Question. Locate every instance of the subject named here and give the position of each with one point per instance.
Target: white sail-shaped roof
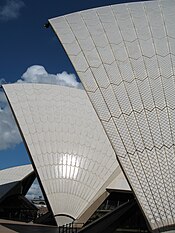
(125, 57)
(13, 174)
(67, 143)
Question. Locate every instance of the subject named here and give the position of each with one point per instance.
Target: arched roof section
(125, 57)
(69, 148)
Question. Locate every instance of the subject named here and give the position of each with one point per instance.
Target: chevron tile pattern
(125, 57)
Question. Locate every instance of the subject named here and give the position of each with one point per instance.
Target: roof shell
(67, 143)
(125, 57)
(13, 174)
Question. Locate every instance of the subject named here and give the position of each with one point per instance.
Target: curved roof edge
(16, 173)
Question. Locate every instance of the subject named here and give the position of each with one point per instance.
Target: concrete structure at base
(68, 147)
(125, 57)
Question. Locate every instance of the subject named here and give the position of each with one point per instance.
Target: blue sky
(25, 43)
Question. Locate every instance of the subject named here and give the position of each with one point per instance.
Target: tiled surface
(71, 152)
(125, 57)
(15, 173)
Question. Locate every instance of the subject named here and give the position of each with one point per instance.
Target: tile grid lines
(94, 80)
(106, 72)
(96, 89)
(128, 95)
(17, 122)
(156, 108)
(144, 111)
(167, 36)
(154, 147)
(135, 118)
(158, 115)
(138, 126)
(165, 188)
(162, 14)
(42, 153)
(133, 112)
(75, 155)
(115, 84)
(31, 118)
(168, 43)
(141, 39)
(166, 31)
(136, 59)
(32, 142)
(114, 122)
(126, 81)
(76, 181)
(52, 187)
(164, 148)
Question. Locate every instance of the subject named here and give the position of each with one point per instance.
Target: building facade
(68, 147)
(125, 57)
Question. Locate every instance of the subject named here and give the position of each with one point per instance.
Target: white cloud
(11, 9)
(9, 134)
(38, 74)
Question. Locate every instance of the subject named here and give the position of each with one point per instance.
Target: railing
(70, 228)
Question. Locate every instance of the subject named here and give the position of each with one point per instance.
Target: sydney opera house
(116, 135)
